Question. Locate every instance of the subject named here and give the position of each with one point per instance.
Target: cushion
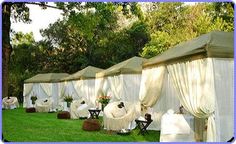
(118, 112)
(91, 125)
(30, 110)
(63, 115)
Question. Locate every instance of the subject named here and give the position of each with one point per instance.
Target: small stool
(63, 115)
(142, 125)
(91, 125)
(30, 110)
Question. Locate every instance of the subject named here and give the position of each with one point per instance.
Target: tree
(19, 12)
(172, 23)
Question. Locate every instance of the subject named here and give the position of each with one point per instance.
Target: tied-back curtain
(47, 88)
(151, 85)
(115, 84)
(194, 82)
(27, 89)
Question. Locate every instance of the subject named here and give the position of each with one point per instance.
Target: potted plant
(68, 99)
(104, 100)
(33, 99)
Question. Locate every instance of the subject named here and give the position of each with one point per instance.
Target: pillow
(82, 107)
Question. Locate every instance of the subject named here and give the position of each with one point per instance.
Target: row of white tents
(197, 74)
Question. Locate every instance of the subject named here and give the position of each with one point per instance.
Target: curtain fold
(115, 84)
(151, 85)
(27, 90)
(194, 82)
(47, 88)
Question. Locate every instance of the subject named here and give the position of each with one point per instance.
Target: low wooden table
(94, 113)
(142, 125)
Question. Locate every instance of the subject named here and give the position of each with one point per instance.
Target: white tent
(81, 85)
(43, 86)
(197, 74)
(121, 81)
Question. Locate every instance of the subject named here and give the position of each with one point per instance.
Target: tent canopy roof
(129, 66)
(46, 78)
(86, 73)
(213, 44)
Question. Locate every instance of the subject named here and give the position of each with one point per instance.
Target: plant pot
(68, 104)
(33, 102)
(104, 105)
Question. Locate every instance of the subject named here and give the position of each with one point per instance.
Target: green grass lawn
(19, 126)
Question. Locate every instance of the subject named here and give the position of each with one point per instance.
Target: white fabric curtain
(194, 82)
(90, 85)
(27, 89)
(78, 86)
(70, 89)
(151, 85)
(168, 100)
(130, 87)
(115, 85)
(55, 95)
(61, 92)
(224, 86)
(47, 87)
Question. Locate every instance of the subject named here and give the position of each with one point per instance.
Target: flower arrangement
(68, 98)
(33, 98)
(104, 99)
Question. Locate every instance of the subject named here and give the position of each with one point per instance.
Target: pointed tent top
(86, 73)
(129, 66)
(213, 44)
(46, 78)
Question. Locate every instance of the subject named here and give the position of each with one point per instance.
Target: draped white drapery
(115, 83)
(123, 87)
(151, 85)
(27, 89)
(224, 86)
(194, 82)
(47, 87)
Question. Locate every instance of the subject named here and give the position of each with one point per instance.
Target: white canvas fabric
(130, 87)
(224, 86)
(168, 100)
(115, 84)
(47, 87)
(151, 85)
(123, 87)
(194, 81)
(26, 91)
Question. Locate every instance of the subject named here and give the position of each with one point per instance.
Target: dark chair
(142, 125)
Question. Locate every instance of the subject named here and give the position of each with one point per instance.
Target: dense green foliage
(103, 34)
(19, 126)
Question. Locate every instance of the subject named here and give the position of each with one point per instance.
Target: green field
(19, 126)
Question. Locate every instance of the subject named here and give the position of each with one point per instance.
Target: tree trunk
(6, 46)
